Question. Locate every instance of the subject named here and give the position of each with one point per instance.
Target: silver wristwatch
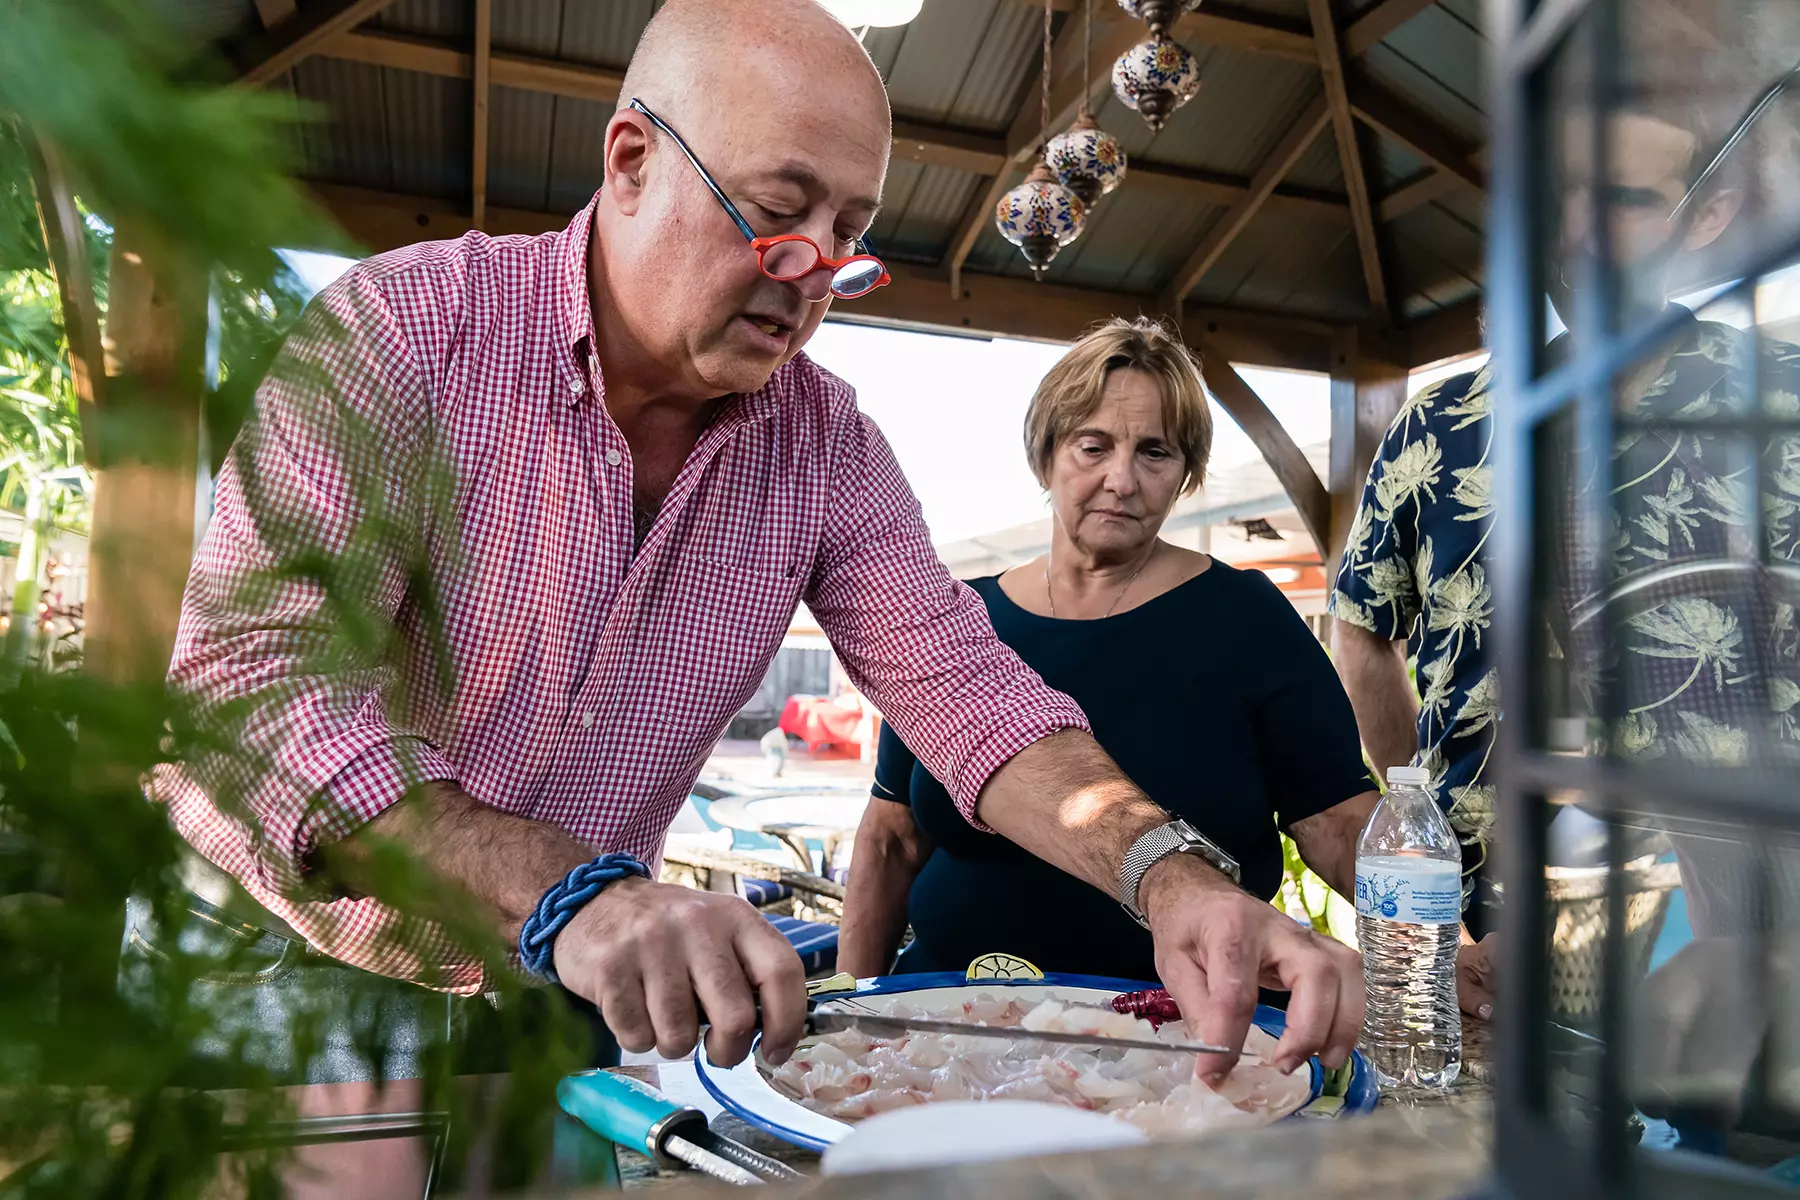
(1177, 837)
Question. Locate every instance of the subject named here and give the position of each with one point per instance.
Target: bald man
(645, 477)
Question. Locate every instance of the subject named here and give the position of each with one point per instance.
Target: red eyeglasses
(788, 256)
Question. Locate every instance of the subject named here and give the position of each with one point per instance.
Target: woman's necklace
(1051, 596)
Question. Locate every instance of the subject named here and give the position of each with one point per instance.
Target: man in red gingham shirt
(641, 478)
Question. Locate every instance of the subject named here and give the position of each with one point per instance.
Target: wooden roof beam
(1279, 450)
(1394, 117)
(478, 150)
(1374, 26)
(992, 306)
(1280, 161)
(1343, 127)
(299, 37)
(914, 141)
(273, 12)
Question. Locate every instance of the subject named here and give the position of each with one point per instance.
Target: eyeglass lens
(855, 278)
(791, 260)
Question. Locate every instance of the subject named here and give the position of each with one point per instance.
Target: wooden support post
(1368, 386)
(150, 484)
(484, 28)
(1298, 480)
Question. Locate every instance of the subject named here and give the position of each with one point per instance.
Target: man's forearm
(506, 861)
(1373, 670)
(1064, 800)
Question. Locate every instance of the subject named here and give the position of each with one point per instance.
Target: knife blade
(824, 1020)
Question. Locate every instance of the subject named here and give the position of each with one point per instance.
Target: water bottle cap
(1408, 776)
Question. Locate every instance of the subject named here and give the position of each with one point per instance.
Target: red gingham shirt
(590, 682)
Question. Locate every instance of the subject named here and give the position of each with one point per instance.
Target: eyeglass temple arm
(1738, 133)
(737, 218)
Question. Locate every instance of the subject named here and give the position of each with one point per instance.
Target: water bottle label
(1414, 890)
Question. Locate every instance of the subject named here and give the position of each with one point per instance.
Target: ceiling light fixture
(858, 14)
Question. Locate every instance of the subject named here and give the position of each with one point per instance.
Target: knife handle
(627, 1112)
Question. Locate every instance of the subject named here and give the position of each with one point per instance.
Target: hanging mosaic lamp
(1156, 78)
(1159, 15)
(1040, 217)
(1089, 161)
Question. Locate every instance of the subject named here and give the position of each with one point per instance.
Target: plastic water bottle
(1408, 912)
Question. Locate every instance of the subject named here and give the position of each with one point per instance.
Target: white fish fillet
(848, 1076)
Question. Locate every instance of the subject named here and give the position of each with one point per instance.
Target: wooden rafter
(1450, 332)
(1343, 127)
(1280, 161)
(914, 141)
(481, 70)
(273, 12)
(65, 236)
(1378, 22)
(1277, 446)
(1072, 80)
(917, 298)
(1390, 115)
(301, 36)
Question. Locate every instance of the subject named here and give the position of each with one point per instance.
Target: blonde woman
(1200, 680)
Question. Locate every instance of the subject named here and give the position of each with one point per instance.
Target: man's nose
(815, 285)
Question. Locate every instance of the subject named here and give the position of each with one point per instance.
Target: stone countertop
(1420, 1145)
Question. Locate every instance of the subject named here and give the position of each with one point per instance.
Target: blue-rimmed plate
(746, 1093)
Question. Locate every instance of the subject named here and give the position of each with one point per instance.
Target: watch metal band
(1177, 837)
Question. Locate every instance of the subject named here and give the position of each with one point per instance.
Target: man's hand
(1475, 966)
(645, 952)
(1215, 943)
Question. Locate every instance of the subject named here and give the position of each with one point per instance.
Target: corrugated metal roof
(578, 134)
(922, 208)
(1245, 104)
(1437, 63)
(968, 64)
(351, 145)
(1319, 167)
(528, 26)
(519, 131)
(429, 120)
(603, 34)
(449, 19)
(1387, 163)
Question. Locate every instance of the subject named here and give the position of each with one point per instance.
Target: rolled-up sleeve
(917, 641)
(281, 656)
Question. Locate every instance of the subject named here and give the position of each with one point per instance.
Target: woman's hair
(1070, 392)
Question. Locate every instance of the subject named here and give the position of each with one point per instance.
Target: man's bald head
(696, 54)
(784, 108)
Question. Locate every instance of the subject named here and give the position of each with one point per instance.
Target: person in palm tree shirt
(1709, 670)
(1412, 575)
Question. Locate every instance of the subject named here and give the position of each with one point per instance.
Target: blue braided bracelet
(537, 938)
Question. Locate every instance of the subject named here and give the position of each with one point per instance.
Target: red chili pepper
(1154, 1005)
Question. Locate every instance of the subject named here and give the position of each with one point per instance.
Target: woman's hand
(889, 853)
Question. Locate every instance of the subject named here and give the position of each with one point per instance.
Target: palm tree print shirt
(1704, 661)
(1412, 570)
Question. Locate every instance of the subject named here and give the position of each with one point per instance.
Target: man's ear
(627, 150)
(1712, 216)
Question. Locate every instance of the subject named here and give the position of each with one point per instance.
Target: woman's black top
(1214, 697)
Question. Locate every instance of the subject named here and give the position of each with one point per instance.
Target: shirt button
(575, 387)
(587, 719)
(614, 458)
